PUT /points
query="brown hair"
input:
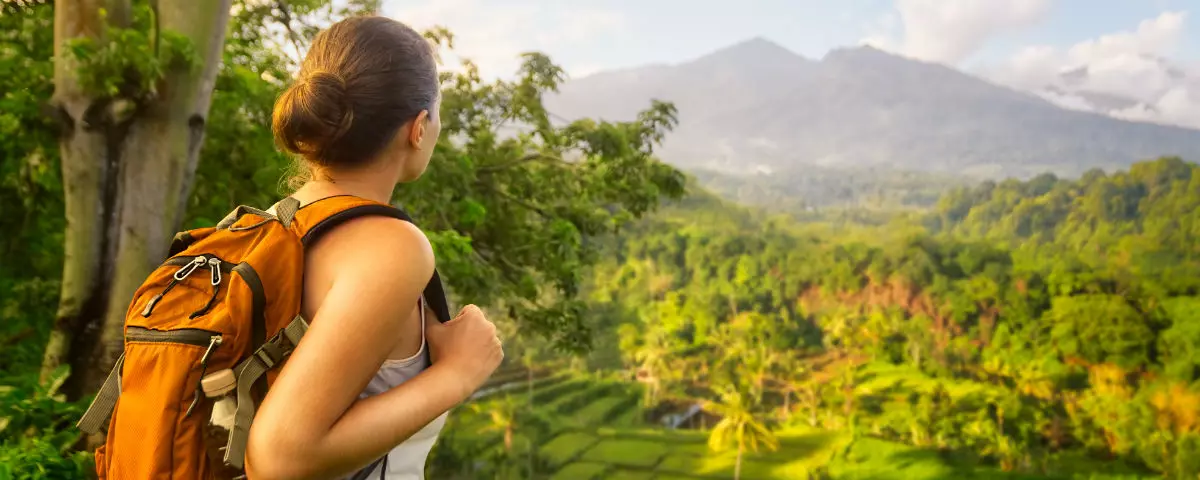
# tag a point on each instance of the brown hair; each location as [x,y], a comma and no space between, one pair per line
[363,79]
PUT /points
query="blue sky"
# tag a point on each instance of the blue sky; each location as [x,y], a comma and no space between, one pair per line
[586,35]
[1020,43]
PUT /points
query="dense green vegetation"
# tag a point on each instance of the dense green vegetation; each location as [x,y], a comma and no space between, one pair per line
[810,187]
[510,218]
[1036,326]
[1047,328]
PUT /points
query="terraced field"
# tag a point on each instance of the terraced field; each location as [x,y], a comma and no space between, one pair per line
[593,428]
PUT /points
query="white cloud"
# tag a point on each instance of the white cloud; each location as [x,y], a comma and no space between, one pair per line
[1156,36]
[1030,68]
[1131,65]
[493,36]
[1067,100]
[949,31]
[1179,106]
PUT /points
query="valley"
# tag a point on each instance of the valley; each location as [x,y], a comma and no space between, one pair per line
[988,336]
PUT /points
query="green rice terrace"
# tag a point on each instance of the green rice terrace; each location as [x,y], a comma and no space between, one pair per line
[593,425]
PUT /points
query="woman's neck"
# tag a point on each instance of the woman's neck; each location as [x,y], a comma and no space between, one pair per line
[369,185]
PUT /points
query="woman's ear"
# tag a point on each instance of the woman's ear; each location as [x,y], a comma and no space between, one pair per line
[416,135]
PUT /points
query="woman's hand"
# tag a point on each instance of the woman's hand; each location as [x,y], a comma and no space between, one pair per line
[467,345]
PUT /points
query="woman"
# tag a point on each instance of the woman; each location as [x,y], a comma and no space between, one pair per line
[364,116]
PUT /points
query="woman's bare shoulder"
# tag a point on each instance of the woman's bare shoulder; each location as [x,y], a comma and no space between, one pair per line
[376,244]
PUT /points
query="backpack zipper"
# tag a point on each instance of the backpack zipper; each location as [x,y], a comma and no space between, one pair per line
[186,336]
[188,265]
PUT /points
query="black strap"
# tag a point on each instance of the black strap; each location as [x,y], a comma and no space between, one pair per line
[366,471]
[434,293]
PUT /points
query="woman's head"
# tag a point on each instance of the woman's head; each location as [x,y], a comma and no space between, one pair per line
[367,95]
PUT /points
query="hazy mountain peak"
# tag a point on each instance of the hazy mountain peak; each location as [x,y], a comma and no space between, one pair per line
[759,44]
[872,57]
[755,49]
[861,53]
[758,103]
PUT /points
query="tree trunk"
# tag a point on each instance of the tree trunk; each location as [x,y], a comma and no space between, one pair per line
[529,404]
[812,405]
[508,437]
[529,382]
[128,164]
[737,467]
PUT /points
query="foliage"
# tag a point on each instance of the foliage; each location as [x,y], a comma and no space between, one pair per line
[513,217]
[739,427]
[36,435]
[129,61]
[1063,304]
[812,187]
[30,190]
[1047,326]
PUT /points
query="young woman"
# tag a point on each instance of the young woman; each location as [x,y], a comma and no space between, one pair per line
[364,116]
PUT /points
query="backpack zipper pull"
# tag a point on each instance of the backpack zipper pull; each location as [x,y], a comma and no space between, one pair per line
[215,265]
[179,275]
[154,301]
[213,343]
[186,270]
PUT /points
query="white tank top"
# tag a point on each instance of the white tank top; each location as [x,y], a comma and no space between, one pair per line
[407,460]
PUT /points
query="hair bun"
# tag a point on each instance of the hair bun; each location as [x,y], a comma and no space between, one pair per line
[316,114]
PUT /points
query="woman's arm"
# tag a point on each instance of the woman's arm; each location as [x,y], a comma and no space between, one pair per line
[310,425]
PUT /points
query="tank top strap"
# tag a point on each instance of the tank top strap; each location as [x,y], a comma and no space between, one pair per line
[421,306]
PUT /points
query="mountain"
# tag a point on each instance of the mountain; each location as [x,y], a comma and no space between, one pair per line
[758,107]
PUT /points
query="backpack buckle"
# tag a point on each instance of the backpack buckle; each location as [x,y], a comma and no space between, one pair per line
[265,358]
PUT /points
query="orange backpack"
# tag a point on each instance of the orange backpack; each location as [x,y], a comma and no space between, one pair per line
[203,336]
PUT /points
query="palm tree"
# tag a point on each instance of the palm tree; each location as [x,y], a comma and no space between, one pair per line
[652,359]
[740,425]
[503,415]
[794,373]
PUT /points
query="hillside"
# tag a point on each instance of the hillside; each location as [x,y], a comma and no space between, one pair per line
[757,107]
[1044,328]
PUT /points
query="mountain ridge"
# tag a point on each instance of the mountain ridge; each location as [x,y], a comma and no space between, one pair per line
[755,104]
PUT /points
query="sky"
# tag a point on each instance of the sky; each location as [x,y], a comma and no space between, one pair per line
[1131,47]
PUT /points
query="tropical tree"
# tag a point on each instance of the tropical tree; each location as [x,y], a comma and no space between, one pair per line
[654,369]
[503,416]
[741,425]
[133,82]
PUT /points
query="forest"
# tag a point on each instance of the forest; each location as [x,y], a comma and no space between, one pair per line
[655,328]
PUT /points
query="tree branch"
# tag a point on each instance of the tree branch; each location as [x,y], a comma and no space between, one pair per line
[287,24]
[532,157]
[157,26]
[528,206]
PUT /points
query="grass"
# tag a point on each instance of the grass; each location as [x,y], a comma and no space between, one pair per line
[596,412]
[626,474]
[567,446]
[629,417]
[597,432]
[627,452]
[581,471]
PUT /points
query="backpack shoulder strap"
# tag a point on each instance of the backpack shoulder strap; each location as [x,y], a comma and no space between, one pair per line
[312,221]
